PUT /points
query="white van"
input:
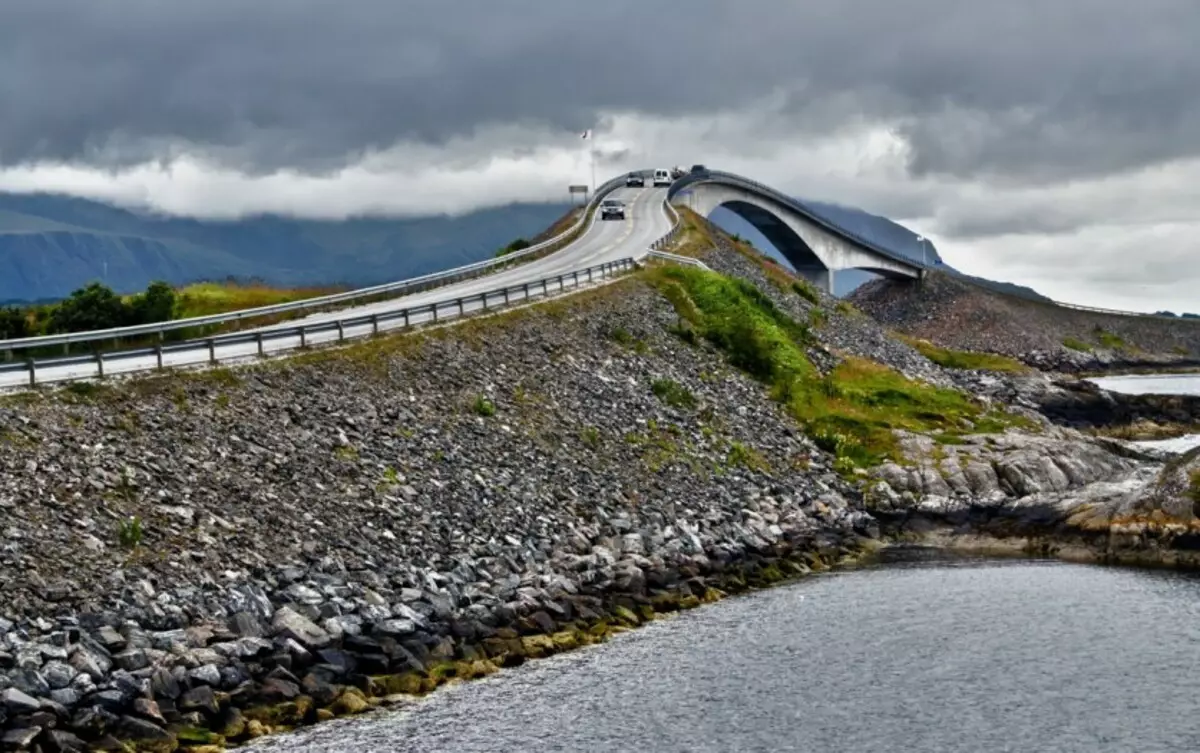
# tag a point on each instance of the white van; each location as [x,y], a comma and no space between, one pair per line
[662,177]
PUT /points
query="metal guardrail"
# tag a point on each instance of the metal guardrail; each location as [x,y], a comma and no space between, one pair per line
[393,289]
[672,216]
[665,256]
[268,342]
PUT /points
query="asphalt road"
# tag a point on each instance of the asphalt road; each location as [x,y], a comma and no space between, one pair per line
[604,241]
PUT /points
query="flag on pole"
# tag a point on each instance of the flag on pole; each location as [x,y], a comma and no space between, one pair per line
[586,134]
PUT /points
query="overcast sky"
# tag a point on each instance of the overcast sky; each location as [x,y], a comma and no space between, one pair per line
[1055,144]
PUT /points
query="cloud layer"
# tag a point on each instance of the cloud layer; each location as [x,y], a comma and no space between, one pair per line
[1053,144]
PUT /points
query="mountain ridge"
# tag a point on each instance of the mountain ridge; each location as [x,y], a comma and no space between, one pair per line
[52,244]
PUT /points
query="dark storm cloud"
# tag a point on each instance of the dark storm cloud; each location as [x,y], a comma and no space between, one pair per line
[1028,90]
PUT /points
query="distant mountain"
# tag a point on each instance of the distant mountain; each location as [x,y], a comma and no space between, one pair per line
[875,228]
[51,245]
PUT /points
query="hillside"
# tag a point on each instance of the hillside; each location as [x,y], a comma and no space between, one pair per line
[957,313]
[51,245]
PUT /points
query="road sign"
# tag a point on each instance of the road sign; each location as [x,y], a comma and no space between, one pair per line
[577,189]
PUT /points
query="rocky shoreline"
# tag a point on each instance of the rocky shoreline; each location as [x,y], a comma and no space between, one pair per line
[256,549]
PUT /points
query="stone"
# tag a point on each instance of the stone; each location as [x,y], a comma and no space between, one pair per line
[131,660]
[148,709]
[288,623]
[29,681]
[62,741]
[140,729]
[17,702]
[21,738]
[58,674]
[207,674]
[110,639]
[351,701]
[199,698]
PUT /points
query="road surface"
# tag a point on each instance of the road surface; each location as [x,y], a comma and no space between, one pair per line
[603,241]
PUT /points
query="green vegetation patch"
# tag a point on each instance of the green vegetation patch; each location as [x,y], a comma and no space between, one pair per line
[961,359]
[673,393]
[1194,486]
[1111,340]
[851,412]
[1072,343]
[807,291]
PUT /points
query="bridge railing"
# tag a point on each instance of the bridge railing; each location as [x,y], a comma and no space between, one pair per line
[376,292]
[247,345]
[672,216]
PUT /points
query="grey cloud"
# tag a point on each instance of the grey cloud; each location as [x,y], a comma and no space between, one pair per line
[1025,90]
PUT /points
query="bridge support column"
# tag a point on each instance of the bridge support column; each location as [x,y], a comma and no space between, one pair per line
[822,278]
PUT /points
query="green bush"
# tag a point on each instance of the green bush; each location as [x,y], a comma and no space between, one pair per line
[807,291]
[129,532]
[484,407]
[673,393]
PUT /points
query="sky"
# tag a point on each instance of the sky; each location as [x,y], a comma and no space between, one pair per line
[1056,145]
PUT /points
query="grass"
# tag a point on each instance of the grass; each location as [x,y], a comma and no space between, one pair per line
[1072,343]
[1110,340]
[205,298]
[1194,486]
[483,406]
[673,393]
[807,291]
[851,412]
[130,533]
[961,359]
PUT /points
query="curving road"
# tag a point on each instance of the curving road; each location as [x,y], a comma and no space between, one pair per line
[603,241]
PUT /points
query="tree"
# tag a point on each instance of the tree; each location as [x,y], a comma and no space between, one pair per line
[517,245]
[156,304]
[14,323]
[95,306]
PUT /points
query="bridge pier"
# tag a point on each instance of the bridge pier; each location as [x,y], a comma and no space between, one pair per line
[822,278]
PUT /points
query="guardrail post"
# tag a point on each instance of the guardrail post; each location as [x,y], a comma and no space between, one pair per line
[100,364]
[212,351]
[485,295]
[405,313]
[526,291]
[303,338]
[589,271]
[506,296]
[8,356]
[158,354]
[575,276]
[341,331]
[461,310]
[435,312]
[374,324]
[32,372]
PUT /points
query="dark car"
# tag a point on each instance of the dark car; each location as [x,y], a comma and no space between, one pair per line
[612,209]
[636,179]
[698,169]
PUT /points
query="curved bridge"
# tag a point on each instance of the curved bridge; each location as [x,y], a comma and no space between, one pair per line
[815,246]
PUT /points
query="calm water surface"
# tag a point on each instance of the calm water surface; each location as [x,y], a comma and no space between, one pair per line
[965,656]
[1151,384]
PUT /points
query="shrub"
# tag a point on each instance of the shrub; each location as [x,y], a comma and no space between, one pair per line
[807,291]
[483,406]
[673,393]
[129,532]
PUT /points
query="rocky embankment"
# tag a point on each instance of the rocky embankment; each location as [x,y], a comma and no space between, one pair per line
[954,313]
[194,560]
[203,559]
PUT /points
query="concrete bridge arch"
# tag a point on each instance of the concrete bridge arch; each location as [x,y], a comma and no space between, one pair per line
[814,248]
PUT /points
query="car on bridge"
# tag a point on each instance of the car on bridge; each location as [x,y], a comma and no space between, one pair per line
[612,209]
[662,177]
[635,179]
